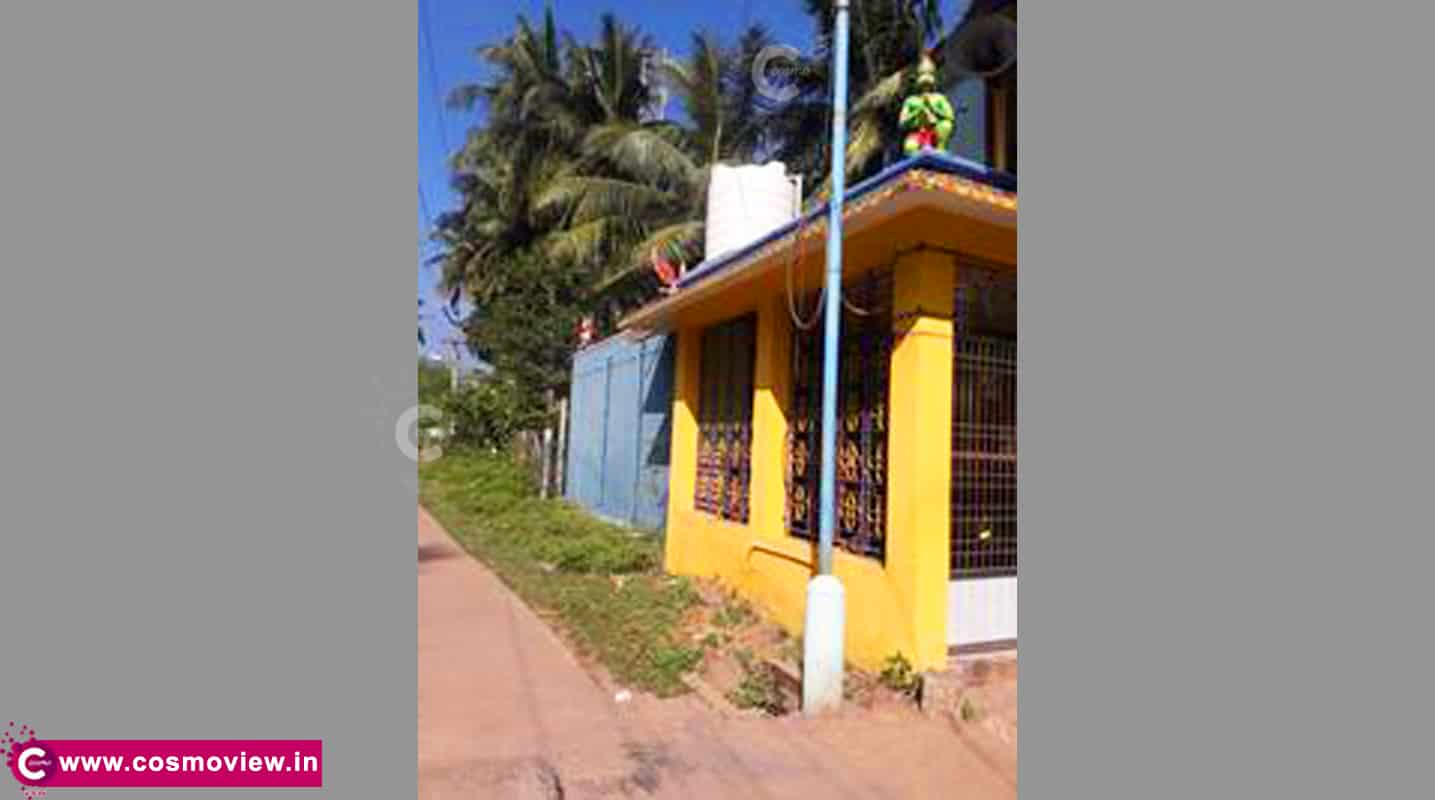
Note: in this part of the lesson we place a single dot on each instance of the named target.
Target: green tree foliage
(527, 333)
(570, 185)
(487, 413)
(483, 412)
(887, 40)
(433, 382)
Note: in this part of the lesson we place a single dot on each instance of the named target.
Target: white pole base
(822, 661)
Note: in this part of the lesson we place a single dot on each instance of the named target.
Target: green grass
(897, 674)
(758, 688)
(970, 711)
(562, 561)
(734, 613)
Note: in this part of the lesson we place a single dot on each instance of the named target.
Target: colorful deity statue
(927, 115)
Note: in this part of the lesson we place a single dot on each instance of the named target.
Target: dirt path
(505, 711)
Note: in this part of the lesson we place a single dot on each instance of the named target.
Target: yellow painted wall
(899, 606)
(919, 450)
(760, 559)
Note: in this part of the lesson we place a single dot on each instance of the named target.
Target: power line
(431, 62)
(429, 221)
(433, 75)
(423, 261)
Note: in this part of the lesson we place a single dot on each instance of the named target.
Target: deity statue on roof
(927, 115)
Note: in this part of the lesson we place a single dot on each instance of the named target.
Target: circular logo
(34, 763)
(410, 443)
(779, 91)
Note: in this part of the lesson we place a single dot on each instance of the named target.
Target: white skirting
(981, 610)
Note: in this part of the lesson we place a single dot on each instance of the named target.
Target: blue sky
(450, 30)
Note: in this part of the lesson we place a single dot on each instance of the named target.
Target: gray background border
(205, 321)
(207, 331)
(1225, 394)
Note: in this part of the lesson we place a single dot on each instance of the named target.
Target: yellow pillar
(919, 450)
(683, 460)
(769, 421)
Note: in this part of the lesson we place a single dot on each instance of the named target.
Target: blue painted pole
(832, 313)
(825, 622)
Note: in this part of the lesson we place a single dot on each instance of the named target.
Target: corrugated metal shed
(621, 424)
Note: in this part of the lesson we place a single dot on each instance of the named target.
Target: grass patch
(599, 582)
(897, 674)
(734, 613)
(791, 650)
(970, 711)
(758, 688)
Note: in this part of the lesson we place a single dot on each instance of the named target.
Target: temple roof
(933, 162)
(960, 186)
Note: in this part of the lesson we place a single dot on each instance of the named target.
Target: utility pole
(453, 343)
(825, 624)
(561, 457)
(546, 460)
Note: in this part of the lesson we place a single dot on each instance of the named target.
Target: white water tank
(747, 202)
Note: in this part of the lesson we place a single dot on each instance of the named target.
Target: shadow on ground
(428, 552)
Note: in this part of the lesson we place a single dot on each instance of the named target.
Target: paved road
(506, 711)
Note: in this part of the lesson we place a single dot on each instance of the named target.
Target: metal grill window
(983, 450)
(862, 411)
(725, 418)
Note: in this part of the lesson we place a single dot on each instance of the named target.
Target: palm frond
(641, 152)
(588, 244)
(681, 241)
(887, 94)
(586, 198)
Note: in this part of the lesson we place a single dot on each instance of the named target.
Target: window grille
(725, 418)
(862, 411)
(983, 498)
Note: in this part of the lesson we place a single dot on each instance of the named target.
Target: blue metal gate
(621, 400)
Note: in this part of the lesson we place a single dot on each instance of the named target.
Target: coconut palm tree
(542, 111)
(502, 165)
(571, 163)
(887, 40)
(638, 189)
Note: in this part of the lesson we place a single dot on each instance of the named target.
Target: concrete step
(980, 668)
(789, 679)
(943, 690)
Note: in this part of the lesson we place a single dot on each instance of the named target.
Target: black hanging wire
(433, 77)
